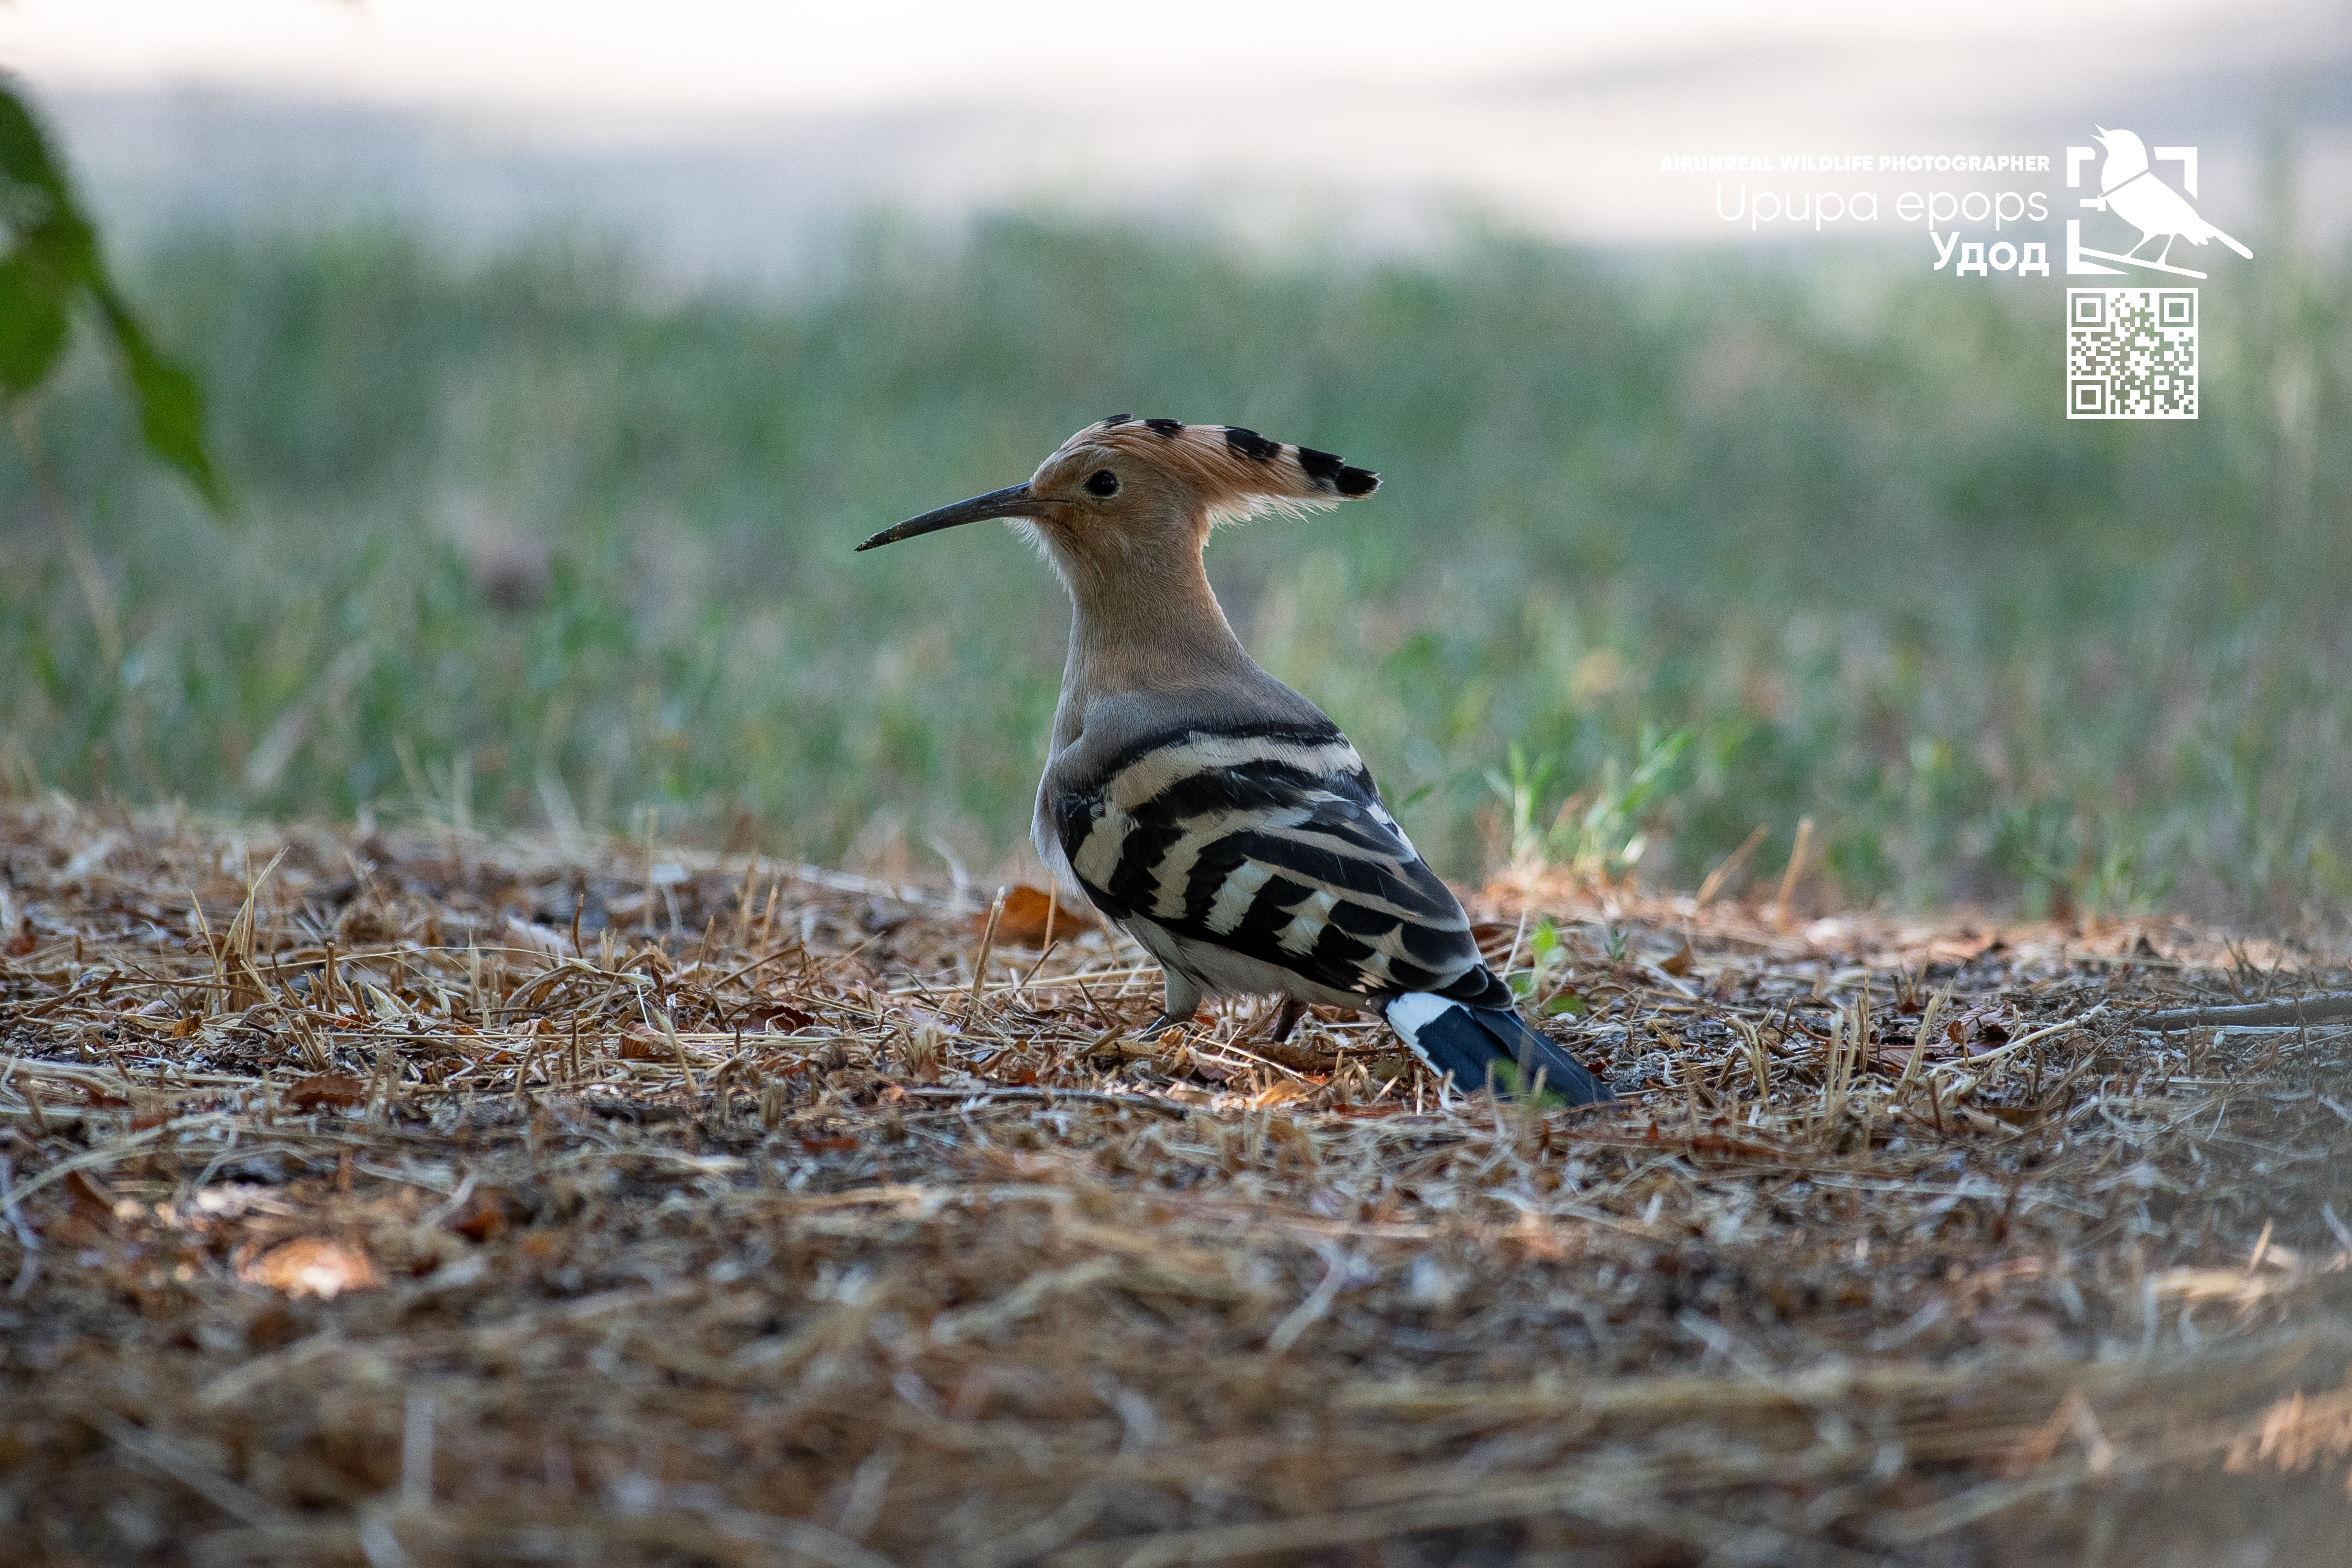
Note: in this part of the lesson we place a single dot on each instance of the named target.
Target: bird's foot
(1162, 1024)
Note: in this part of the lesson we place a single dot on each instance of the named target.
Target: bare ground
(429, 1199)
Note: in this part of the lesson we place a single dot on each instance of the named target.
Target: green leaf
(52, 236)
(55, 254)
(25, 155)
(170, 404)
(32, 325)
(1567, 1002)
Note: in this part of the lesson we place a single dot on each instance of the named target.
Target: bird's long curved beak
(1013, 500)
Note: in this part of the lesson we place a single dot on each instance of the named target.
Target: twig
(2301, 1010)
(1022, 1092)
(176, 1462)
(980, 964)
(1728, 865)
(1779, 914)
(677, 1048)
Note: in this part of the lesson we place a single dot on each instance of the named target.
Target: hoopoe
(1204, 808)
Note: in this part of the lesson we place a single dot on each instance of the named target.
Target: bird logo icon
(2131, 188)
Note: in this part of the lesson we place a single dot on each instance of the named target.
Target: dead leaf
(1494, 936)
(311, 1265)
(325, 1088)
(1023, 923)
(639, 1043)
(1680, 963)
(484, 1219)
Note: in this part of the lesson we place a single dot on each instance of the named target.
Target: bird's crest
(1236, 471)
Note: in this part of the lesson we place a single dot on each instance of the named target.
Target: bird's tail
(2230, 243)
(1475, 1044)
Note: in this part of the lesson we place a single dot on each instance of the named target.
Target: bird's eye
(1102, 482)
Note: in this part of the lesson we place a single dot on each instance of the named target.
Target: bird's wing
(1268, 841)
(2157, 208)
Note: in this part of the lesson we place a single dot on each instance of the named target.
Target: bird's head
(1122, 491)
(2127, 156)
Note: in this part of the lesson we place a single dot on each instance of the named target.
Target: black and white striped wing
(1270, 842)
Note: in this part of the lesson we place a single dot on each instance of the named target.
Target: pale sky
(731, 132)
(639, 54)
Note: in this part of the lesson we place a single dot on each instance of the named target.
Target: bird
(2134, 193)
(1215, 814)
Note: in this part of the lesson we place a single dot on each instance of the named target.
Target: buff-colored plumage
(1233, 472)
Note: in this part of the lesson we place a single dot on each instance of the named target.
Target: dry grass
(356, 1212)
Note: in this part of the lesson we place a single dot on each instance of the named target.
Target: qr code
(2131, 353)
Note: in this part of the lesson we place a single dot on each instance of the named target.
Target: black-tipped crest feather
(1235, 470)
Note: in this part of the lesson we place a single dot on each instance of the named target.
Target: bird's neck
(1147, 622)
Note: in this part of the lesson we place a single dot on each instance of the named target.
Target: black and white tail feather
(1477, 1045)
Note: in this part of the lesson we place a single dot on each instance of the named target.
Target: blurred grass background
(1712, 543)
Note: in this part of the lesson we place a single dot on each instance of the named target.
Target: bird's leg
(2165, 255)
(1180, 1000)
(1286, 1020)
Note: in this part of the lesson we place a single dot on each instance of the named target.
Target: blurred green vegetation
(543, 541)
